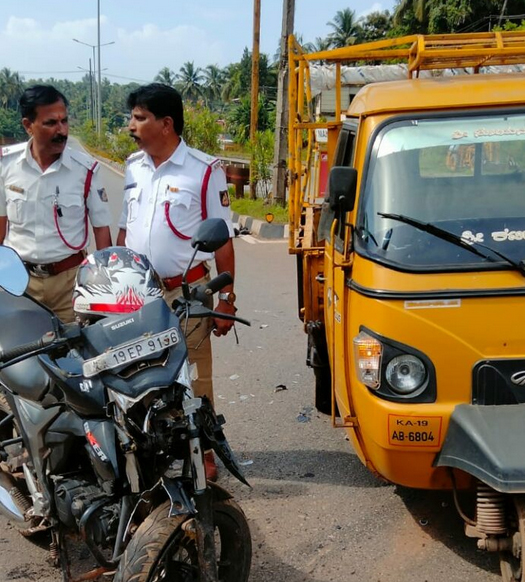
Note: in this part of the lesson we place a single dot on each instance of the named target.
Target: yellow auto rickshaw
(412, 268)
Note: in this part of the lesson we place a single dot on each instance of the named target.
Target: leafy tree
(437, 16)
(10, 88)
(166, 76)
(10, 125)
(201, 128)
(239, 119)
(346, 29)
(375, 26)
(262, 158)
(189, 81)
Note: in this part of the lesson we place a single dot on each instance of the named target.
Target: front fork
(202, 525)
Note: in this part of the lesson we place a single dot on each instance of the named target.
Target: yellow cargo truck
(411, 266)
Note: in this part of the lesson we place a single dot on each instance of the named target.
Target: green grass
(258, 209)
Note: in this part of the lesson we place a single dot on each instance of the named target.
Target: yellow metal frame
(420, 52)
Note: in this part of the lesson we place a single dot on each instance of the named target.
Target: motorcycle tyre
(155, 535)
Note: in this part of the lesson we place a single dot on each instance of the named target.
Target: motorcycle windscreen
(22, 322)
(118, 338)
(487, 442)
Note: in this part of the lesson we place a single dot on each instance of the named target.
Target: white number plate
(131, 351)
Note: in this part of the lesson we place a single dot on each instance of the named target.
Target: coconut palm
(420, 9)
(189, 81)
(213, 81)
(10, 88)
(166, 76)
(345, 27)
(319, 44)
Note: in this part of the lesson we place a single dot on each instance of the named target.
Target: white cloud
(376, 7)
(36, 51)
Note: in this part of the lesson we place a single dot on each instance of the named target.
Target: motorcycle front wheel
(161, 551)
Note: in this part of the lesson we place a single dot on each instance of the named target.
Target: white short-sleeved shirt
(29, 196)
(159, 201)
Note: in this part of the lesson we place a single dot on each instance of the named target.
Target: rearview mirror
(14, 277)
(342, 187)
(212, 234)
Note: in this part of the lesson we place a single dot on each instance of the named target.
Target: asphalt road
(316, 514)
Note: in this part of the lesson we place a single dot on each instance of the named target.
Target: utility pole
(99, 100)
(255, 89)
(91, 93)
(281, 122)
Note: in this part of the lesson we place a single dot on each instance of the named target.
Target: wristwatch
(228, 297)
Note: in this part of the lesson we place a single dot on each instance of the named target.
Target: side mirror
(342, 188)
(211, 235)
(14, 277)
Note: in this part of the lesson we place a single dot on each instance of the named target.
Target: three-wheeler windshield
(464, 175)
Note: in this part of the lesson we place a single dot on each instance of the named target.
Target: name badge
(15, 188)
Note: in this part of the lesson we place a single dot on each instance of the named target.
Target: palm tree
(189, 81)
(319, 44)
(420, 9)
(10, 88)
(166, 76)
(346, 29)
(213, 81)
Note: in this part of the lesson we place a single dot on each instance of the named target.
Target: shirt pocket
(15, 207)
(178, 213)
(71, 206)
(134, 196)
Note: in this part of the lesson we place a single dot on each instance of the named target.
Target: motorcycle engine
(73, 497)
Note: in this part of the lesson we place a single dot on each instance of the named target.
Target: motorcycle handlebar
(220, 281)
(203, 292)
(13, 353)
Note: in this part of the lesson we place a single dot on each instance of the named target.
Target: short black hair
(38, 95)
(161, 100)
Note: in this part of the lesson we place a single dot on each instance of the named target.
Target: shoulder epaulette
(12, 149)
(205, 158)
(83, 159)
(135, 157)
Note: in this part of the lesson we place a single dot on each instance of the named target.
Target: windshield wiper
(455, 239)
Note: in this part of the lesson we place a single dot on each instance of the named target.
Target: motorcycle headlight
(126, 402)
(405, 374)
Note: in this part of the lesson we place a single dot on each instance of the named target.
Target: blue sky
(36, 35)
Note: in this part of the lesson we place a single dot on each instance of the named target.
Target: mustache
(59, 139)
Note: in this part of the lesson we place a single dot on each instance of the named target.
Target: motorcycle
(102, 438)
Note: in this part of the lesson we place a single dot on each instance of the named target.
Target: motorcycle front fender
(487, 442)
(181, 501)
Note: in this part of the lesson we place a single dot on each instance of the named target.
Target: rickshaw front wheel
(512, 562)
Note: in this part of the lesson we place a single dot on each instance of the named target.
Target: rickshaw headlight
(368, 352)
(405, 374)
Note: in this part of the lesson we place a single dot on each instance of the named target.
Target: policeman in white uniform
(164, 206)
(170, 189)
(47, 193)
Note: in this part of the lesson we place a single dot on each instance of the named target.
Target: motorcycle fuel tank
(23, 321)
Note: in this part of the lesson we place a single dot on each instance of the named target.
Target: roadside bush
(201, 128)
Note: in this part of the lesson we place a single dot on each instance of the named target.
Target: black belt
(50, 269)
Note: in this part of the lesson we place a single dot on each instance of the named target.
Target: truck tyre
(323, 389)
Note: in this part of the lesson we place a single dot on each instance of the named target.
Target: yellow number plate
(414, 431)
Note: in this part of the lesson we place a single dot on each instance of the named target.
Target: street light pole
(97, 108)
